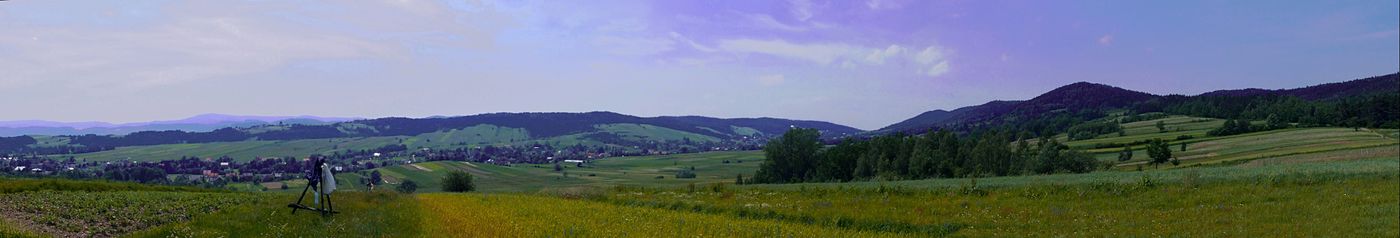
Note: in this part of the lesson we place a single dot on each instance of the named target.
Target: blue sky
(865, 64)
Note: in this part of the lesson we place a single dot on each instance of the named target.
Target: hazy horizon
(864, 64)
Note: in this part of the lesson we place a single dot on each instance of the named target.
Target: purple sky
(865, 64)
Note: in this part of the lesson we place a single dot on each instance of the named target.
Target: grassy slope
(381, 214)
(630, 171)
(1244, 200)
(241, 151)
(1202, 149)
(642, 132)
(1292, 203)
(456, 138)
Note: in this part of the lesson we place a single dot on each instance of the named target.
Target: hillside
(1379, 84)
(710, 167)
(562, 129)
(1084, 101)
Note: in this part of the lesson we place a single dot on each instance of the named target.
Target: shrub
(408, 186)
(458, 181)
(685, 173)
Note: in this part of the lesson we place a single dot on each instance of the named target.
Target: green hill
(709, 167)
(1328, 143)
(474, 136)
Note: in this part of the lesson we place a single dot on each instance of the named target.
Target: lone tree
(1161, 127)
(458, 181)
(408, 186)
(1126, 155)
(1275, 122)
(1159, 152)
(375, 177)
(790, 156)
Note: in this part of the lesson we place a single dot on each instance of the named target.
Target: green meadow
(657, 170)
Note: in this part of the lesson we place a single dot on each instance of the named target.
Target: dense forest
(798, 156)
(1367, 102)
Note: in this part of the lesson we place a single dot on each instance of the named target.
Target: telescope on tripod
(321, 183)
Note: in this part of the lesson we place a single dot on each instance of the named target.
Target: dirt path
(416, 166)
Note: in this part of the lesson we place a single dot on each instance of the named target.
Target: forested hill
(534, 125)
(1365, 102)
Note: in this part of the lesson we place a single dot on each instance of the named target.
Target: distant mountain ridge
(458, 131)
(1085, 95)
(1325, 91)
(197, 123)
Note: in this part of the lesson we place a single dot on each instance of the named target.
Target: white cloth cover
(327, 180)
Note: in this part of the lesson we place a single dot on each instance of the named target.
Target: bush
(1092, 129)
(458, 181)
(685, 173)
(408, 186)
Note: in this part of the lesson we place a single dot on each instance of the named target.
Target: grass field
(1290, 182)
(100, 209)
(1280, 199)
(1287, 205)
(627, 171)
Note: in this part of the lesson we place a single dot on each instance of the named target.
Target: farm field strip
(495, 215)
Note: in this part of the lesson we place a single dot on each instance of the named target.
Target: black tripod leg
(329, 207)
(303, 196)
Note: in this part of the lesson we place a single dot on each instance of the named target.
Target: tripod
(314, 181)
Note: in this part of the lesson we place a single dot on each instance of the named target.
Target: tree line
(799, 156)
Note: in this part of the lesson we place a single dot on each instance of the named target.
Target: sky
(865, 64)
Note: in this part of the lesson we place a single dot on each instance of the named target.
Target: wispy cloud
(931, 61)
(823, 54)
(768, 22)
(771, 80)
(801, 9)
(1106, 39)
(194, 41)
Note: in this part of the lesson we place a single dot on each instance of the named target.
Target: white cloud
(937, 69)
(771, 80)
(823, 54)
(691, 43)
(882, 4)
(634, 46)
(193, 41)
(191, 49)
(877, 57)
(801, 9)
(766, 21)
(935, 59)
(929, 55)
(1106, 39)
(931, 61)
